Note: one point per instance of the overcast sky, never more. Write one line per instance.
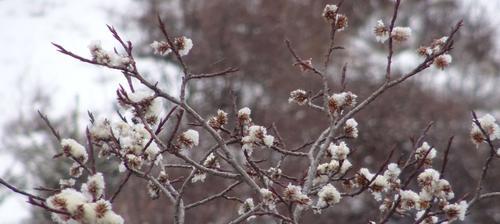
(29, 61)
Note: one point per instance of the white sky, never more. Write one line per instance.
(28, 60)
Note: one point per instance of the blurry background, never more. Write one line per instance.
(248, 34)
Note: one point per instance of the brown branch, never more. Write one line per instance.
(227, 71)
(52, 129)
(215, 196)
(120, 187)
(90, 150)
(391, 51)
(17, 190)
(445, 158)
(488, 160)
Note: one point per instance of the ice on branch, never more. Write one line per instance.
(489, 125)
(161, 48)
(153, 190)
(247, 206)
(153, 153)
(105, 215)
(427, 220)
(425, 152)
(444, 190)
(341, 22)
(325, 170)
(142, 103)
(381, 32)
(392, 171)
(199, 177)
(294, 193)
(66, 183)
(188, 139)
(409, 199)
(268, 198)
(81, 209)
(340, 151)
(75, 170)
(377, 186)
(135, 144)
(244, 116)
(392, 175)
(219, 120)
(442, 61)
(133, 162)
(101, 129)
(330, 13)
(298, 96)
(428, 179)
(182, 45)
(73, 149)
(67, 200)
(257, 136)
(337, 102)
(456, 211)
(433, 186)
(304, 65)
(130, 142)
(94, 188)
(435, 48)
(331, 16)
(401, 34)
(328, 196)
(351, 128)
(437, 44)
(273, 173)
(104, 57)
(424, 51)
(210, 162)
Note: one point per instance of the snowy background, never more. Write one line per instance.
(30, 62)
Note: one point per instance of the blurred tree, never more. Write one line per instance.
(250, 35)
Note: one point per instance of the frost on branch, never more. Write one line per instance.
(381, 32)
(257, 137)
(188, 139)
(247, 206)
(104, 57)
(268, 198)
(181, 44)
(219, 120)
(351, 128)
(327, 196)
(73, 149)
(244, 116)
(340, 101)
(425, 152)
(487, 128)
(294, 193)
(210, 162)
(456, 211)
(339, 152)
(83, 207)
(401, 34)
(298, 96)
